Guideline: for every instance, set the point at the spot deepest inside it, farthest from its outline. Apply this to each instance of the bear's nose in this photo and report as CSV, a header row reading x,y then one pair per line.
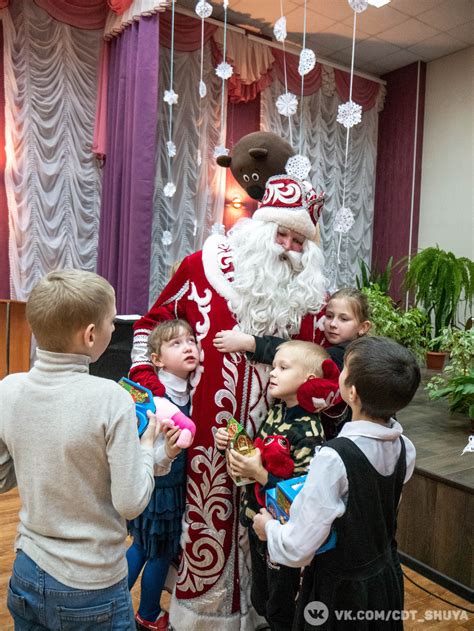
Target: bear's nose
x,y
255,191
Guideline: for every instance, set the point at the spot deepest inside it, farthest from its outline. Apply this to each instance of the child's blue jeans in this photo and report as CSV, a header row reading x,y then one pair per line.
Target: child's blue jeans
x,y
38,602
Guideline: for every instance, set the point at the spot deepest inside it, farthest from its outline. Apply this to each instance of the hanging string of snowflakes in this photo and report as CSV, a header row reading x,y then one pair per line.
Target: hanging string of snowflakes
x,y
287,103
203,10
349,114
224,71
171,98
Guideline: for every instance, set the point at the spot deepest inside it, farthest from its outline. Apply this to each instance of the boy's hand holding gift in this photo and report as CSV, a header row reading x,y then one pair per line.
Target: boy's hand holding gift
x,y
250,467
259,522
222,439
172,436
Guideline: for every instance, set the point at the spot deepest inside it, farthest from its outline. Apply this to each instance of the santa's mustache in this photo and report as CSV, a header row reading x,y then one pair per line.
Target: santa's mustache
x,y
291,257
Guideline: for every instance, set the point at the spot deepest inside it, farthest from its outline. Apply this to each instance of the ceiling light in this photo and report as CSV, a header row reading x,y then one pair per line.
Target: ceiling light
x,y
378,3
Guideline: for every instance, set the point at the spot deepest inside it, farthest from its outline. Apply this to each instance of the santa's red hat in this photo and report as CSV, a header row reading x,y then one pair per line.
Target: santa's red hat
x,y
291,203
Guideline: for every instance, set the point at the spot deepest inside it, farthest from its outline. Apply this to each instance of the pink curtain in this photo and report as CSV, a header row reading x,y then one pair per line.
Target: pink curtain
x,y
86,14
100,126
237,90
4,4
364,91
312,81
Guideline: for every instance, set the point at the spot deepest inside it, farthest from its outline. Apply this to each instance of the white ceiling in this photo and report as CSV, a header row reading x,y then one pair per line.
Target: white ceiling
x,y
388,38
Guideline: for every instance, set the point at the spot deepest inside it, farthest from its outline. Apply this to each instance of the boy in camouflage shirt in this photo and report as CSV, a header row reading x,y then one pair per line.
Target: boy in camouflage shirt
x,y
275,587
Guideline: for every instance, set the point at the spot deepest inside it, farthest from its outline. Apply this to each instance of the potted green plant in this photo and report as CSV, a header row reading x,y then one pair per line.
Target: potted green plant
x,y
456,382
441,282
411,328
372,276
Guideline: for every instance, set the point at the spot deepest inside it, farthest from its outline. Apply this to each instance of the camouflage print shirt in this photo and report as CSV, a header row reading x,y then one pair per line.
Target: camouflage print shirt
x,y
304,433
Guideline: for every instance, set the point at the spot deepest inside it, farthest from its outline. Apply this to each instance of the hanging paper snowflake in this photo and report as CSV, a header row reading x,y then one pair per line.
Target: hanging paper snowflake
x,y
203,9
307,61
287,104
220,150
171,147
167,238
169,190
359,6
218,228
349,114
344,220
298,166
202,89
195,227
199,158
170,97
224,70
279,30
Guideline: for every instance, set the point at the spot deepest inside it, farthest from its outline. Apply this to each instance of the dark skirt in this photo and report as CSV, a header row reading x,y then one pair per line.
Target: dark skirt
x,y
158,529
376,591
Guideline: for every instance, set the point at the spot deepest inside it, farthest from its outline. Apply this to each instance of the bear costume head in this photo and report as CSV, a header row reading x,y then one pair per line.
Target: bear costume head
x,y
255,158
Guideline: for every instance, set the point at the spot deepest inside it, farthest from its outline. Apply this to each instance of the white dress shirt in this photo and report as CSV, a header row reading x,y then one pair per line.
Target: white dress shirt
x,y
324,495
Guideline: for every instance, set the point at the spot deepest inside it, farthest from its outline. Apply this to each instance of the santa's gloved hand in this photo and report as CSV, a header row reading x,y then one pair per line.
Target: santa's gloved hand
x,y
320,393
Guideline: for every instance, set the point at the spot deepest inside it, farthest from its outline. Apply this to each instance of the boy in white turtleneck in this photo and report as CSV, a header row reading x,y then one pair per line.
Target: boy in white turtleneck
x,y
69,441
156,532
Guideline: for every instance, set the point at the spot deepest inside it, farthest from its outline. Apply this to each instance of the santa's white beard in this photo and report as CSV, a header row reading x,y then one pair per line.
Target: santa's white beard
x,y
274,288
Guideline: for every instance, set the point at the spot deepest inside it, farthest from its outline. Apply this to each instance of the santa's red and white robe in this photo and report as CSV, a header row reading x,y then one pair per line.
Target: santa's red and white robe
x,y
213,586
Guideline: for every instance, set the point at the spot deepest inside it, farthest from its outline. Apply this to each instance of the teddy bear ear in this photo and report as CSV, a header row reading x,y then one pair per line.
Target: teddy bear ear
x,y
259,153
224,161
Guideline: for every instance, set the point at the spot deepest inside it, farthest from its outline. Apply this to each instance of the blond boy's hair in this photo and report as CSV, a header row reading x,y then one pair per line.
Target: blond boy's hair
x,y
64,302
164,332
310,356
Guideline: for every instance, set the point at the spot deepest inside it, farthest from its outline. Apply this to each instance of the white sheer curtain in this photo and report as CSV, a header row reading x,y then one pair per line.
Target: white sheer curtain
x,y
199,199
323,142
52,182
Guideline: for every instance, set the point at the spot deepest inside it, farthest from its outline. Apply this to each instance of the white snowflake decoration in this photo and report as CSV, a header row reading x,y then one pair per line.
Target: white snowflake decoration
x,y
359,6
287,104
218,228
167,238
279,30
169,190
202,89
199,158
170,97
344,220
220,150
203,9
224,70
307,61
171,147
298,166
349,114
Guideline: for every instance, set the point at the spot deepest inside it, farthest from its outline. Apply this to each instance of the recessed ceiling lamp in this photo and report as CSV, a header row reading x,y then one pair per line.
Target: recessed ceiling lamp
x,y
378,3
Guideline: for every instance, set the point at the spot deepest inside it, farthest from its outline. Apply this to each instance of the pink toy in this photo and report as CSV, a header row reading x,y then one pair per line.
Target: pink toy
x,y
170,416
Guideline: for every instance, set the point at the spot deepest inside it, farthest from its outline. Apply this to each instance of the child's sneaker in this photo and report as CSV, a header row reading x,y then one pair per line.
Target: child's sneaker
x,y
160,624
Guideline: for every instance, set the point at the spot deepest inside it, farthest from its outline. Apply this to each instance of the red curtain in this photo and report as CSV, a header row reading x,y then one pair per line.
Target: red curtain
x,y
242,119
398,127
187,32
364,91
4,262
86,14
312,81
119,6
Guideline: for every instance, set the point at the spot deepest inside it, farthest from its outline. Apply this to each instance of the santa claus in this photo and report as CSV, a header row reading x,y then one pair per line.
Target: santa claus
x,y
264,278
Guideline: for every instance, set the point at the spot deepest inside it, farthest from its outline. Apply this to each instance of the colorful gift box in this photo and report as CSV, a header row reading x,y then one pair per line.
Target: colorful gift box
x,y
242,443
287,490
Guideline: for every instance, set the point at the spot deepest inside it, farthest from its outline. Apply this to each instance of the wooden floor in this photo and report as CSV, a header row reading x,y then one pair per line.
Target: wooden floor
x,y
431,613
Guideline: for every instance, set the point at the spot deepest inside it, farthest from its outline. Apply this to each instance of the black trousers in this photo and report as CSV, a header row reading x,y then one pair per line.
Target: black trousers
x,y
274,587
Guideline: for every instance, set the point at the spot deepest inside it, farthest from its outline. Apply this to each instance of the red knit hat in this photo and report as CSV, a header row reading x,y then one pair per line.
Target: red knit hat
x,y
291,203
